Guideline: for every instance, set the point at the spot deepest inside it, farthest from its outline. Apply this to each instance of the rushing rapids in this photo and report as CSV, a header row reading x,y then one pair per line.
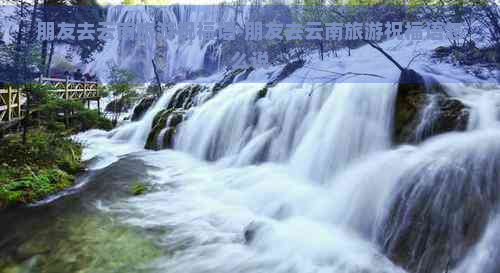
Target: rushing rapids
x,y
311,171
302,177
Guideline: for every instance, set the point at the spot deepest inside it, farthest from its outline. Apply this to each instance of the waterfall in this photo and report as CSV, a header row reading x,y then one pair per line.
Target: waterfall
x,y
177,58
305,177
317,159
484,257
355,121
270,120
136,133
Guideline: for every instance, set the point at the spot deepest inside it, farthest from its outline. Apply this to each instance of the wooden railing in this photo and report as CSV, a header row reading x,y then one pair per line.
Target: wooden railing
x,y
10,105
71,89
11,99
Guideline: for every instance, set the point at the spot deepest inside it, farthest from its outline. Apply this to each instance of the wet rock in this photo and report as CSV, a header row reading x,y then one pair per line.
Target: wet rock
x,y
262,93
226,80
413,98
184,98
251,231
143,107
165,121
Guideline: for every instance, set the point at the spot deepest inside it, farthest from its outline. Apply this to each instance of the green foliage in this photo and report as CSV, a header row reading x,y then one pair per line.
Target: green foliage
x,y
42,149
138,188
76,12
121,86
44,165
48,107
88,119
153,89
31,185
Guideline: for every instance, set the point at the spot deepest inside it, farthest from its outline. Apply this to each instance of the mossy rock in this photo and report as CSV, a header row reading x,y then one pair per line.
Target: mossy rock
x,y
262,93
167,120
412,98
184,98
143,107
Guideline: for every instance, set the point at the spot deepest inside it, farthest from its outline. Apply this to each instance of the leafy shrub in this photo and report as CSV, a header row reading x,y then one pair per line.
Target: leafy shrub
x,y
26,185
46,164
88,119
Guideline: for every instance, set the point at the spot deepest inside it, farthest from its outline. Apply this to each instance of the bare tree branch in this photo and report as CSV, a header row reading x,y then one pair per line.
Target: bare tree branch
x,y
346,73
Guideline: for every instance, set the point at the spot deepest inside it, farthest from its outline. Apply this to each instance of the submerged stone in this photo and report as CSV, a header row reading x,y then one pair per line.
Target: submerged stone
x,y
85,244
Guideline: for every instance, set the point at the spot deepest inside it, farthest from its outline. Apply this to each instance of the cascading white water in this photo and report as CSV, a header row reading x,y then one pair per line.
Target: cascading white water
x,y
355,121
311,165
136,133
247,128
484,257
363,210
427,118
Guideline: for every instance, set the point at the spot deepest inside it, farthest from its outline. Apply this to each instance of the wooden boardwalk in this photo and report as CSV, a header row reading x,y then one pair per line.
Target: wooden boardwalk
x,y
11,100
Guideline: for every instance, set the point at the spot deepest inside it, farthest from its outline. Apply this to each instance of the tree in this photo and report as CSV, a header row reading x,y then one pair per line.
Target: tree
x,y
121,87
75,12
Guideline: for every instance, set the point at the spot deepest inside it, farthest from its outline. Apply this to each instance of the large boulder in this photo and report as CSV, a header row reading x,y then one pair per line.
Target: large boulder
x,y
143,107
425,110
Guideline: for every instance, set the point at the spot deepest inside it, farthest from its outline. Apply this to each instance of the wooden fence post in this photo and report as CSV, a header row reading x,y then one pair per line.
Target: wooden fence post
x,y
84,87
19,103
9,103
66,92
66,96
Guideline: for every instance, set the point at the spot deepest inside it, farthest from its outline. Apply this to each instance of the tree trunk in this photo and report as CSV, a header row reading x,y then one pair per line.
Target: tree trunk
x,y
157,76
377,47
26,61
45,43
49,63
